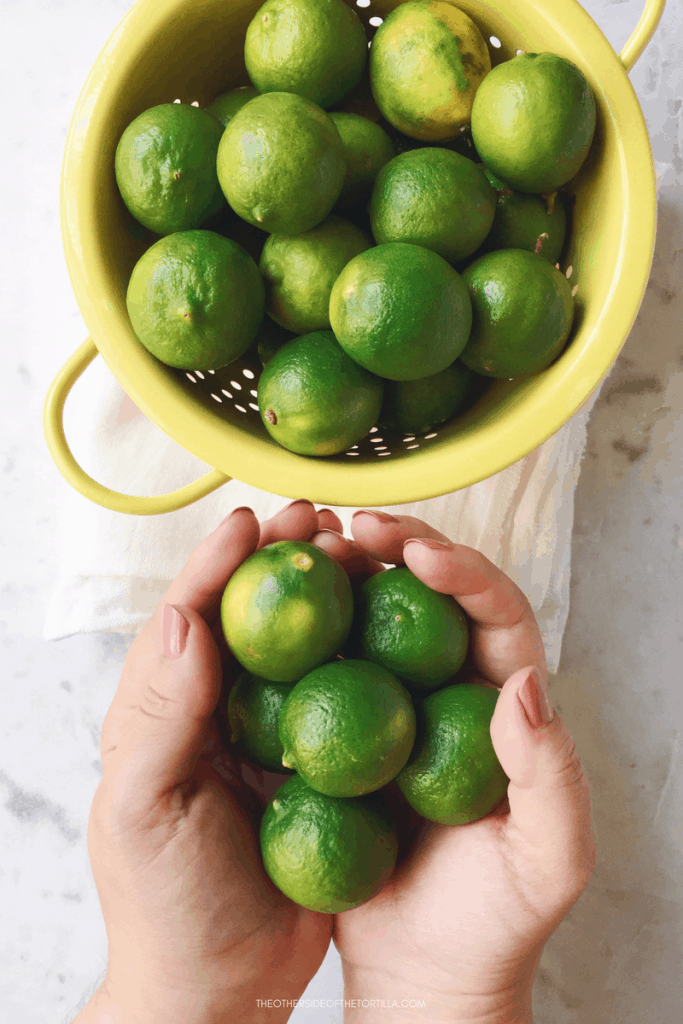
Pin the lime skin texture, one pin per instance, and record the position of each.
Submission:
(453, 776)
(196, 300)
(523, 311)
(417, 634)
(165, 167)
(347, 728)
(314, 48)
(426, 63)
(225, 106)
(281, 163)
(314, 399)
(435, 198)
(533, 121)
(367, 148)
(286, 610)
(299, 272)
(401, 311)
(326, 853)
(417, 406)
(253, 711)
(523, 221)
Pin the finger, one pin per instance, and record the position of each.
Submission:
(199, 586)
(504, 634)
(329, 520)
(162, 740)
(383, 535)
(297, 521)
(550, 815)
(350, 555)
(204, 577)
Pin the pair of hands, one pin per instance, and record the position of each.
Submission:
(196, 930)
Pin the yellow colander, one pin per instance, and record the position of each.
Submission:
(191, 50)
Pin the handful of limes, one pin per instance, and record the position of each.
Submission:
(407, 197)
(346, 692)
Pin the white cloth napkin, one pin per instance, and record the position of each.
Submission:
(116, 567)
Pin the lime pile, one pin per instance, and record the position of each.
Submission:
(417, 246)
(347, 692)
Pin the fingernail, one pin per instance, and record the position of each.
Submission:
(533, 696)
(333, 533)
(242, 508)
(428, 542)
(381, 517)
(174, 630)
(299, 501)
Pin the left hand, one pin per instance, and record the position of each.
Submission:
(196, 930)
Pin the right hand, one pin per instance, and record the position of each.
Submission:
(463, 920)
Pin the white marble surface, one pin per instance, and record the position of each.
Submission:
(617, 958)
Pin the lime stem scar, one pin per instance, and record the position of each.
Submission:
(176, 175)
(270, 416)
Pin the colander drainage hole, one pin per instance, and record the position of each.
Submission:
(240, 408)
(254, 393)
(412, 446)
(217, 398)
(427, 436)
(226, 393)
(376, 22)
(236, 385)
(248, 373)
(362, 3)
(190, 377)
(376, 440)
(353, 453)
(199, 374)
(495, 41)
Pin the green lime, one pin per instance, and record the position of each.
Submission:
(347, 728)
(401, 311)
(435, 198)
(225, 106)
(414, 632)
(286, 610)
(426, 62)
(523, 310)
(524, 221)
(417, 406)
(196, 300)
(270, 339)
(453, 775)
(367, 148)
(299, 271)
(253, 711)
(325, 853)
(314, 399)
(533, 121)
(314, 48)
(281, 163)
(166, 167)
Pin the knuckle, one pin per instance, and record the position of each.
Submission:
(156, 704)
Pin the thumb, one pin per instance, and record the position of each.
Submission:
(550, 813)
(164, 735)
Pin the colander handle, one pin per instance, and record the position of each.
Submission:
(643, 32)
(53, 425)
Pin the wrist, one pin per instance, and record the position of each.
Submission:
(422, 997)
(129, 1004)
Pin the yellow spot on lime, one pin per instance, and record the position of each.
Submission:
(349, 290)
(303, 562)
(276, 805)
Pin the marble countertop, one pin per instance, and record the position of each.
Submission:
(617, 957)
